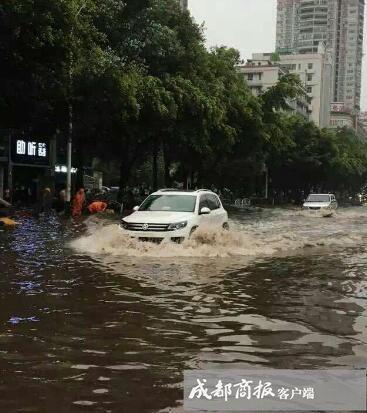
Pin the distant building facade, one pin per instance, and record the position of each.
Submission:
(261, 74)
(363, 119)
(340, 117)
(303, 24)
(362, 125)
(343, 118)
(314, 71)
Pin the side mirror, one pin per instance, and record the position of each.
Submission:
(205, 211)
(136, 208)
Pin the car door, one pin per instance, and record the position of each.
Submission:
(204, 219)
(216, 217)
(221, 212)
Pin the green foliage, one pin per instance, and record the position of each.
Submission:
(145, 91)
(275, 57)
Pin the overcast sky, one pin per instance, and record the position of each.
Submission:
(247, 25)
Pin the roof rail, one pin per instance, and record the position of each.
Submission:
(168, 189)
(203, 189)
(175, 190)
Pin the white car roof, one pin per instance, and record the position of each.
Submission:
(182, 191)
(322, 194)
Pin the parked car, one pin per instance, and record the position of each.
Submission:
(325, 203)
(171, 214)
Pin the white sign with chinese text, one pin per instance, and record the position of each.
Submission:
(275, 390)
(31, 148)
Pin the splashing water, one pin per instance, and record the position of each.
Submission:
(275, 231)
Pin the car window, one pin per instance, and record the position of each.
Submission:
(203, 202)
(176, 203)
(213, 202)
(318, 198)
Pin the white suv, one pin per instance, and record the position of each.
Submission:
(171, 214)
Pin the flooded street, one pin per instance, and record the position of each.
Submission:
(91, 321)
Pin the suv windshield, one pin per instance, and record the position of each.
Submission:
(176, 203)
(318, 198)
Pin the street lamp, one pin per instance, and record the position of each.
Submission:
(70, 110)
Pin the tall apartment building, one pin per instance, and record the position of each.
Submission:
(287, 25)
(303, 24)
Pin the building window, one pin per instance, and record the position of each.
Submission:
(250, 76)
(310, 66)
(309, 77)
(299, 66)
(260, 76)
(309, 89)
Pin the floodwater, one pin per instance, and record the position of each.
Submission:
(91, 321)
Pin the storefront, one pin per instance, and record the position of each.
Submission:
(31, 168)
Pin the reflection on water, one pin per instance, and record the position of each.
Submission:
(93, 321)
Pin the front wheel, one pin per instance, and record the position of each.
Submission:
(226, 226)
(193, 229)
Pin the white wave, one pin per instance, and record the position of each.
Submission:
(282, 232)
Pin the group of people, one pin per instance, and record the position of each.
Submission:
(47, 202)
(79, 205)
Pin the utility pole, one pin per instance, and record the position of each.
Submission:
(71, 112)
(70, 129)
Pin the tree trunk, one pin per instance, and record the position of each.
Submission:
(79, 163)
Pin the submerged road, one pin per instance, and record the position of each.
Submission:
(91, 321)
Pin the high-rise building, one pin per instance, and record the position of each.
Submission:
(303, 24)
(313, 21)
(287, 25)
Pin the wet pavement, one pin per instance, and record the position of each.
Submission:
(91, 321)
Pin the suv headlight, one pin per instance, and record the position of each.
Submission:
(177, 225)
(124, 224)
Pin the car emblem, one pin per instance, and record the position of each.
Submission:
(145, 227)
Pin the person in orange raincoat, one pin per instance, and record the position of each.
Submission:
(78, 203)
(97, 206)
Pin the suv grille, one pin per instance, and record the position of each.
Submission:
(151, 227)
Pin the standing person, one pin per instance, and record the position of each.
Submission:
(47, 200)
(44, 204)
(61, 201)
(7, 196)
(62, 195)
(78, 203)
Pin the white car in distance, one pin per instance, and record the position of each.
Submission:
(325, 203)
(171, 214)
